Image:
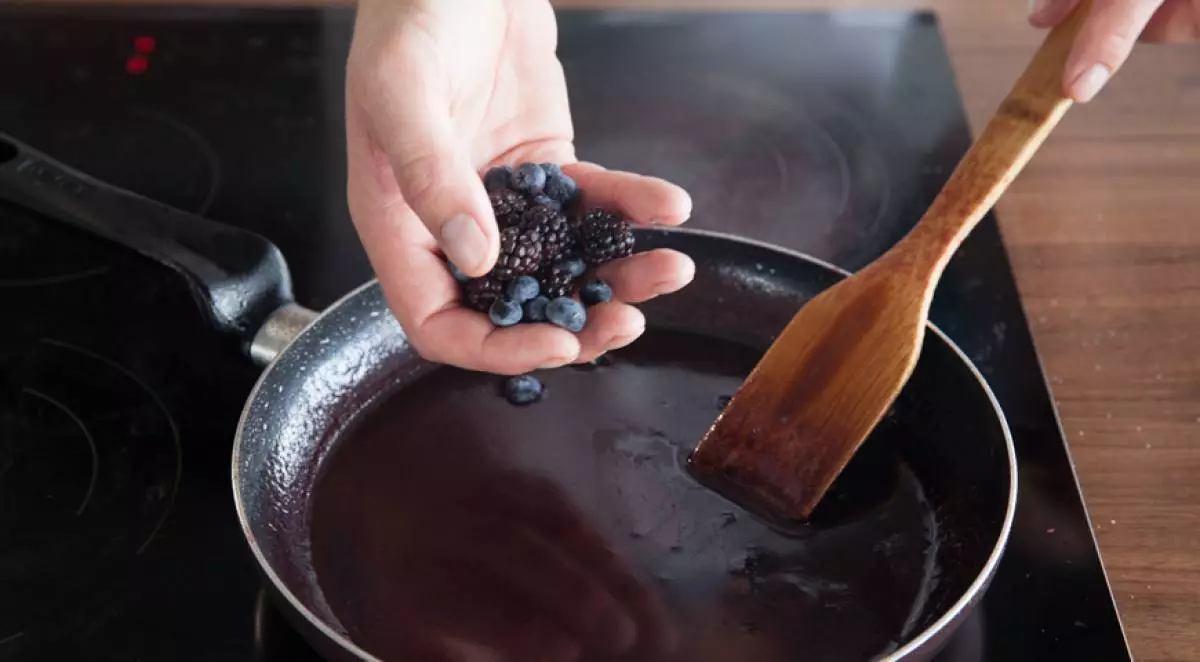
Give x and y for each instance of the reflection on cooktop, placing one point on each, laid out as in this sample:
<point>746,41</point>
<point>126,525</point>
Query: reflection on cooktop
<point>748,153</point>
<point>90,461</point>
<point>136,147</point>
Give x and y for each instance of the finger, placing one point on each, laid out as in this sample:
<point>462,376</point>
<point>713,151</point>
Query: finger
<point>1177,21</point>
<point>1104,43</point>
<point>1048,13</point>
<point>610,326</point>
<point>644,199</point>
<point>411,123</point>
<point>467,339</point>
<point>643,276</point>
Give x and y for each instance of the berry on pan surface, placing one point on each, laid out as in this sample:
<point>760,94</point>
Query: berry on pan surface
<point>523,389</point>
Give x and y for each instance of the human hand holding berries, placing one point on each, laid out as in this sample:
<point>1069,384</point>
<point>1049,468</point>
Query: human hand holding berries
<point>1109,33</point>
<point>438,93</point>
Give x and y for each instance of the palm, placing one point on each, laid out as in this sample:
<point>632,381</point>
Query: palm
<point>507,102</point>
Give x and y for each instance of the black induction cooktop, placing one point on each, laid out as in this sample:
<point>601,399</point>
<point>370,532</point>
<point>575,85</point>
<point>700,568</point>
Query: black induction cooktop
<point>118,538</point>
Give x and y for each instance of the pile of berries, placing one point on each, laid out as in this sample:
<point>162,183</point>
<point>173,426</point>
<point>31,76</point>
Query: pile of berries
<point>548,243</point>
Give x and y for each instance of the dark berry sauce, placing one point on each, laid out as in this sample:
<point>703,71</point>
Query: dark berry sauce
<point>449,515</point>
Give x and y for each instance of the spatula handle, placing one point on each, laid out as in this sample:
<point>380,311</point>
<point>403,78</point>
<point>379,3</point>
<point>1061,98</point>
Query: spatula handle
<point>1032,108</point>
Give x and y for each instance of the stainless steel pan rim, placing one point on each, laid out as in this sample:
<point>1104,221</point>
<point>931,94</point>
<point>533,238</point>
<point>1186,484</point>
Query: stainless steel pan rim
<point>968,597</point>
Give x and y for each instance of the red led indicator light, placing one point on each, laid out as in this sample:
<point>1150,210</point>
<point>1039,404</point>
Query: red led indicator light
<point>137,64</point>
<point>143,44</point>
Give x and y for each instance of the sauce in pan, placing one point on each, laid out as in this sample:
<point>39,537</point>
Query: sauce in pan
<point>450,524</point>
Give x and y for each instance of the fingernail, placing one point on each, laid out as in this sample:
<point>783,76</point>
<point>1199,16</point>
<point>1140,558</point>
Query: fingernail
<point>556,362</point>
<point>664,287</point>
<point>617,342</point>
<point>1087,84</point>
<point>1036,7</point>
<point>463,241</point>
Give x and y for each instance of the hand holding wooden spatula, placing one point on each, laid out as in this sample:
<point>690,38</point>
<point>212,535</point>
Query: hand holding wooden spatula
<point>840,363</point>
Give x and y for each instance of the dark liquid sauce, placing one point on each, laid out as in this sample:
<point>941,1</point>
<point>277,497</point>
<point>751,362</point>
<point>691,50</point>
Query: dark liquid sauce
<point>447,513</point>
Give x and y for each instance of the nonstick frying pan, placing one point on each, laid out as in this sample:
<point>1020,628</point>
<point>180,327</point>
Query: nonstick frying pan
<point>323,372</point>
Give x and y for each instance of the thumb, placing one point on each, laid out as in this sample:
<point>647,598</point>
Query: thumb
<point>433,169</point>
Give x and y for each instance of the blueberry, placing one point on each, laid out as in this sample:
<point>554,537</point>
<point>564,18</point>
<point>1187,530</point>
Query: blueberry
<point>498,178</point>
<point>457,273</point>
<point>552,169</point>
<point>504,312</point>
<point>595,291</point>
<point>574,266</point>
<point>529,178</point>
<point>546,201</point>
<point>561,188</point>
<point>535,309</point>
<point>567,313</point>
<point>523,389</point>
<point>522,289</point>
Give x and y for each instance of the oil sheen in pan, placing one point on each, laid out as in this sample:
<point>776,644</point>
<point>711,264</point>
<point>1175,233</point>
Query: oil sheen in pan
<point>447,513</point>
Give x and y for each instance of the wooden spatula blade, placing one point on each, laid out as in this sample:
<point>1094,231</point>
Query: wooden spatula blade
<point>840,363</point>
<point>815,396</point>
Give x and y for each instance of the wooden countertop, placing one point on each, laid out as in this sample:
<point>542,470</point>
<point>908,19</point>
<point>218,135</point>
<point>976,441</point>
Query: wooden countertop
<point>1104,233</point>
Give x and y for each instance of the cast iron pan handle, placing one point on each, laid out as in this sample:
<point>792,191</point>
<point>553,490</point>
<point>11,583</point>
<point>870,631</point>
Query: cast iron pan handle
<point>237,277</point>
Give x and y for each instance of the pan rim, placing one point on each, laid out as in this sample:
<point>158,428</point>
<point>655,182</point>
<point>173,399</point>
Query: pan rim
<point>982,578</point>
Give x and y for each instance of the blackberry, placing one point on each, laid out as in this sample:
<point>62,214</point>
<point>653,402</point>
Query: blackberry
<point>555,281</point>
<point>595,291</point>
<point>508,205</point>
<point>605,236</point>
<point>523,389</point>
<point>554,230</point>
<point>567,313</point>
<point>504,312</point>
<point>520,253</point>
<point>522,289</point>
<point>497,178</point>
<point>529,179</point>
<point>483,292</point>
<point>535,309</point>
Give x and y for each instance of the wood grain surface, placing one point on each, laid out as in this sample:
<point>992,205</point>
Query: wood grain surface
<point>1104,232</point>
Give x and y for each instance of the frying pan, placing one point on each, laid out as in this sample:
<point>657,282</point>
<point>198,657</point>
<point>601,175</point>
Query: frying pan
<point>323,371</point>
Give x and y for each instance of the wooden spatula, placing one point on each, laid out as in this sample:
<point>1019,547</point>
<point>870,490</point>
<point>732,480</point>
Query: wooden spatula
<point>839,364</point>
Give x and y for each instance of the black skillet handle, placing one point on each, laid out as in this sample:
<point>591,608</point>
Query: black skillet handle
<point>237,277</point>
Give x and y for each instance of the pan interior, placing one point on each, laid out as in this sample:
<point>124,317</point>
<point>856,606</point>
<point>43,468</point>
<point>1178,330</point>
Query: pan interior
<point>440,507</point>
